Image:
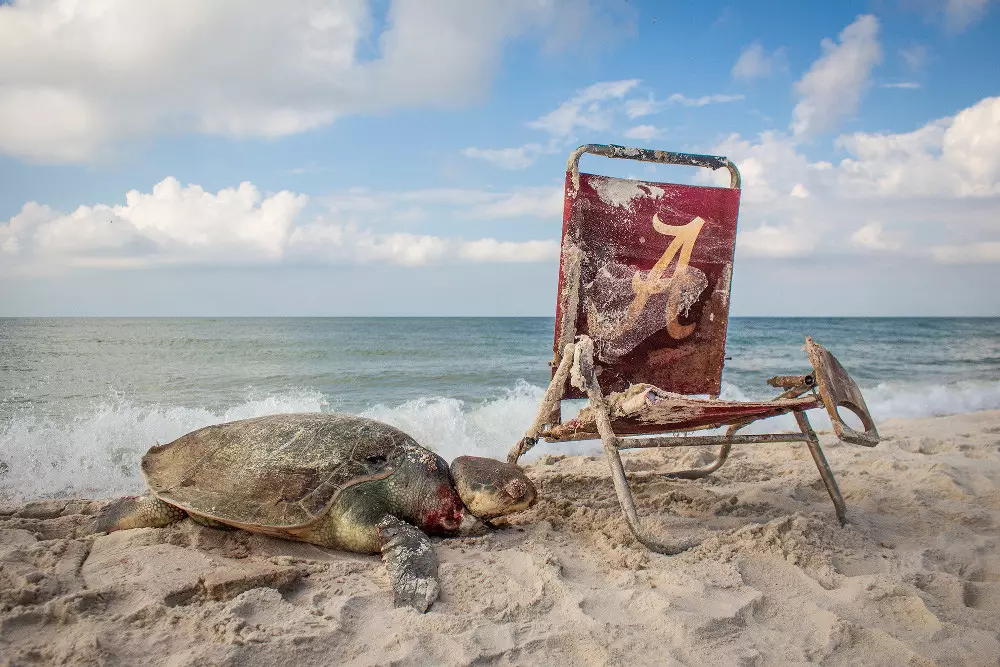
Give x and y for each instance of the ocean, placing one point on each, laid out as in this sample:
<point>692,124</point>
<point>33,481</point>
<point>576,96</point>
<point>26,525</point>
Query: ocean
<point>82,399</point>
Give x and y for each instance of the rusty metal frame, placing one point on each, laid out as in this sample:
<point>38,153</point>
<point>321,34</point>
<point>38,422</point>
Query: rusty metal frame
<point>613,444</point>
<point>712,162</point>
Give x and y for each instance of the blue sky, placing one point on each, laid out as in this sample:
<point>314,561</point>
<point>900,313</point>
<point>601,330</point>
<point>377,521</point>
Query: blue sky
<point>406,158</point>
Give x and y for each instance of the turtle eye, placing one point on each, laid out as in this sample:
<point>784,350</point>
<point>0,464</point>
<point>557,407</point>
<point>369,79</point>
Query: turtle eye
<point>376,458</point>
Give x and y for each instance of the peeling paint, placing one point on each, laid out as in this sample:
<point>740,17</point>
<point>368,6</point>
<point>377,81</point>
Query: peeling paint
<point>620,192</point>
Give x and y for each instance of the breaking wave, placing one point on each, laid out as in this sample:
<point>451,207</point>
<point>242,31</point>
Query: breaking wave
<point>97,453</point>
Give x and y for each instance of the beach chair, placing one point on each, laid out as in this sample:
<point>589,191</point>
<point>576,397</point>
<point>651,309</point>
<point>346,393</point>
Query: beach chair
<point>640,330</point>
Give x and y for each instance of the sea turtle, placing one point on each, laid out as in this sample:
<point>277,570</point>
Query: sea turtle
<point>333,480</point>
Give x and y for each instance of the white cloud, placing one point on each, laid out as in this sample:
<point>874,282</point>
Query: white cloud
<point>592,108</point>
<point>491,250</point>
<point>643,132</point>
<point>931,194</point>
<point>185,225</point>
<point>956,15</point>
<point>446,196</point>
<point>955,157</point>
<point>348,244</point>
<point>960,14</point>
<point>531,202</point>
<point>904,85</point>
<point>799,191</point>
<point>521,157</point>
<point>542,202</point>
<point>596,109</point>
<point>834,85</point>
<point>973,253</point>
<point>170,225</point>
<point>49,125</point>
<point>587,109</point>
<point>778,241</point>
<point>873,237</point>
<point>755,63</point>
<point>770,167</point>
<point>952,157</point>
<point>704,100</point>
<point>80,75</point>
<point>637,108</point>
<point>971,148</point>
<point>914,56</point>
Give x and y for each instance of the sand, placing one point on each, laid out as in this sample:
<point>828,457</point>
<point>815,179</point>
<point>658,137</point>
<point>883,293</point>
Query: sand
<point>914,579</point>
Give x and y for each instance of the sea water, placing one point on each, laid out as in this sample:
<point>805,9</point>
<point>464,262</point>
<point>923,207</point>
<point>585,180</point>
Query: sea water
<point>82,399</point>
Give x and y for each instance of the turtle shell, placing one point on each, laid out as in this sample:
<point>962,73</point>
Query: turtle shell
<point>279,471</point>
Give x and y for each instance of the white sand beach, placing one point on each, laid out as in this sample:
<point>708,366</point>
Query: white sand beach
<point>914,579</point>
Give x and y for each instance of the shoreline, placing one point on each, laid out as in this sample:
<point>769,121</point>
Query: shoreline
<point>913,578</point>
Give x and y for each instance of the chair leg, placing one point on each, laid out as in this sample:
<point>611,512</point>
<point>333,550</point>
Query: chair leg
<point>610,442</point>
<point>548,409</point>
<point>824,468</point>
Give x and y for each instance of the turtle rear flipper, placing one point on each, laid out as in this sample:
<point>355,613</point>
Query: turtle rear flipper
<point>412,563</point>
<point>136,512</point>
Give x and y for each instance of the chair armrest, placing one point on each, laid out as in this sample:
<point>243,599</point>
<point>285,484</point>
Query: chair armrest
<point>837,390</point>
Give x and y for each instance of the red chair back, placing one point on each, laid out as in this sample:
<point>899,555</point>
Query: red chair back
<point>645,271</point>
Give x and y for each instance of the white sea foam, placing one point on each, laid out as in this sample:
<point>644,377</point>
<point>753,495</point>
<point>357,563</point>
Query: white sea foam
<point>897,399</point>
<point>96,454</point>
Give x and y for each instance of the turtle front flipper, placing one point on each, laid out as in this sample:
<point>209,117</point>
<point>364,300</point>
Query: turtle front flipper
<point>412,564</point>
<point>133,512</point>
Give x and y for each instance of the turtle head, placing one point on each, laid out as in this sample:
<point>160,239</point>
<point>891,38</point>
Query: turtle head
<point>490,488</point>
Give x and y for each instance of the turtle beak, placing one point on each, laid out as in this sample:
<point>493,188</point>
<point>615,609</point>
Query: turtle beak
<point>471,526</point>
<point>522,494</point>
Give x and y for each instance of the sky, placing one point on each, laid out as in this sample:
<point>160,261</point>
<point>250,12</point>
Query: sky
<point>406,157</point>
